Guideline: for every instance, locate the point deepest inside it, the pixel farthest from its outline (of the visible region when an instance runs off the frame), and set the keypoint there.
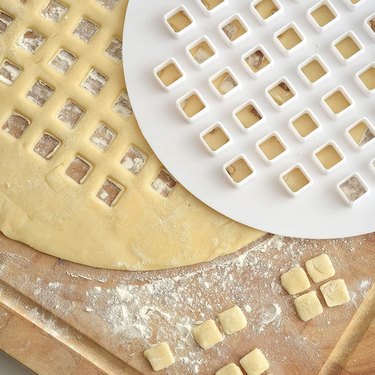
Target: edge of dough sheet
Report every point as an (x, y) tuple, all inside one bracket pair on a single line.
[(143, 231)]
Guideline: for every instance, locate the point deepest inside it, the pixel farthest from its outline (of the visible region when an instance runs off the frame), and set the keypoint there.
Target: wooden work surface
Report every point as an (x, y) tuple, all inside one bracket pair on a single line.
[(62, 318)]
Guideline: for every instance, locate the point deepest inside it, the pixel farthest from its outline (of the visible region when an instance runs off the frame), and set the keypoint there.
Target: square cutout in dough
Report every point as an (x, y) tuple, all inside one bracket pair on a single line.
[(70, 114), (308, 306), (296, 180), (122, 106), (207, 334), (295, 281), (232, 320), (9, 72), (54, 11), (159, 356), (102, 137), (94, 82), (134, 160), (114, 50), (40, 93), (86, 30), (31, 41), (5, 21), (109, 192), (63, 61), (164, 183), (78, 170), (47, 146), (16, 125), (335, 293), (108, 4), (320, 268), (239, 170), (231, 369), (254, 363)]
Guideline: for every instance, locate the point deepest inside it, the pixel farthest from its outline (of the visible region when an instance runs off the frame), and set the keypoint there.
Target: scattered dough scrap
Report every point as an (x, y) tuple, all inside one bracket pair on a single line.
[(308, 306), (159, 356), (232, 320), (254, 363), (295, 281), (335, 293), (320, 268), (207, 334), (231, 369)]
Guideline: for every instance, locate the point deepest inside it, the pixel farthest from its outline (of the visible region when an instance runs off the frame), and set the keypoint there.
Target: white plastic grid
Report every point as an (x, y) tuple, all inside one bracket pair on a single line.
[(260, 201)]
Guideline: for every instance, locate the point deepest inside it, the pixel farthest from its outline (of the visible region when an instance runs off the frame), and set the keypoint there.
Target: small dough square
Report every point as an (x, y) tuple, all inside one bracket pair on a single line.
[(232, 320), (295, 281), (308, 306), (320, 268), (335, 293), (207, 334), (231, 369), (254, 363), (159, 356)]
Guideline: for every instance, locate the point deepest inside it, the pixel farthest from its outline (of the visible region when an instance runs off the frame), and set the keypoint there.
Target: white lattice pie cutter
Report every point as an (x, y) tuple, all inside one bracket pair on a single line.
[(262, 109)]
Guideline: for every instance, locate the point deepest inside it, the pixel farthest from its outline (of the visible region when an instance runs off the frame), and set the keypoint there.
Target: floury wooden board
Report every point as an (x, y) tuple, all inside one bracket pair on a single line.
[(60, 317)]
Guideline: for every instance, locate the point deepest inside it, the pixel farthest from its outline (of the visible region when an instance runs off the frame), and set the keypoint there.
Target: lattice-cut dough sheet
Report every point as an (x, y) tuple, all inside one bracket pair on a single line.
[(78, 180)]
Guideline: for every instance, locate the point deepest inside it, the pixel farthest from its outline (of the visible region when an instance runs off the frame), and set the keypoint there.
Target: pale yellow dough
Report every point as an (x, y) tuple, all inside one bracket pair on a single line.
[(254, 363), (295, 281), (308, 306), (159, 356), (232, 320), (320, 268), (231, 369), (335, 293), (43, 207), (207, 334)]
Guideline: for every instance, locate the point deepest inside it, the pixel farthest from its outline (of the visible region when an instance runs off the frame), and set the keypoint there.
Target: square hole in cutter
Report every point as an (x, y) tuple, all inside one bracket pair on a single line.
[(109, 193), (328, 156), (192, 105), (352, 188), (9, 72), (201, 51), (108, 4), (63, 61), (179, 19), (281, 93), (289, 37), (164, 183), (54, 11), (114, 50), (168, 73), (295, 179), (367, 77), (5, 21), (304, 124), (70, 114), (272, 147), (16, 125), (224, 82), (337, 101), (46, 146), (347, 46), (248, 115), (211, 4), (361, 133), (94, 82), (122, 106), (234, 28), (313, 70), (102, 137), (134, 160), (257, 59), (31, 40), (40, 93), (239, 170), (85, 30), (265, 9), (215, 138), (78, 170), (370, 23), (323, 13)]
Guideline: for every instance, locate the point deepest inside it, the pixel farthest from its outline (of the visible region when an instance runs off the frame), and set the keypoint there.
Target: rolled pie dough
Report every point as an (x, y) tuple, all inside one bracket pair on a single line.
[(78, 179)]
